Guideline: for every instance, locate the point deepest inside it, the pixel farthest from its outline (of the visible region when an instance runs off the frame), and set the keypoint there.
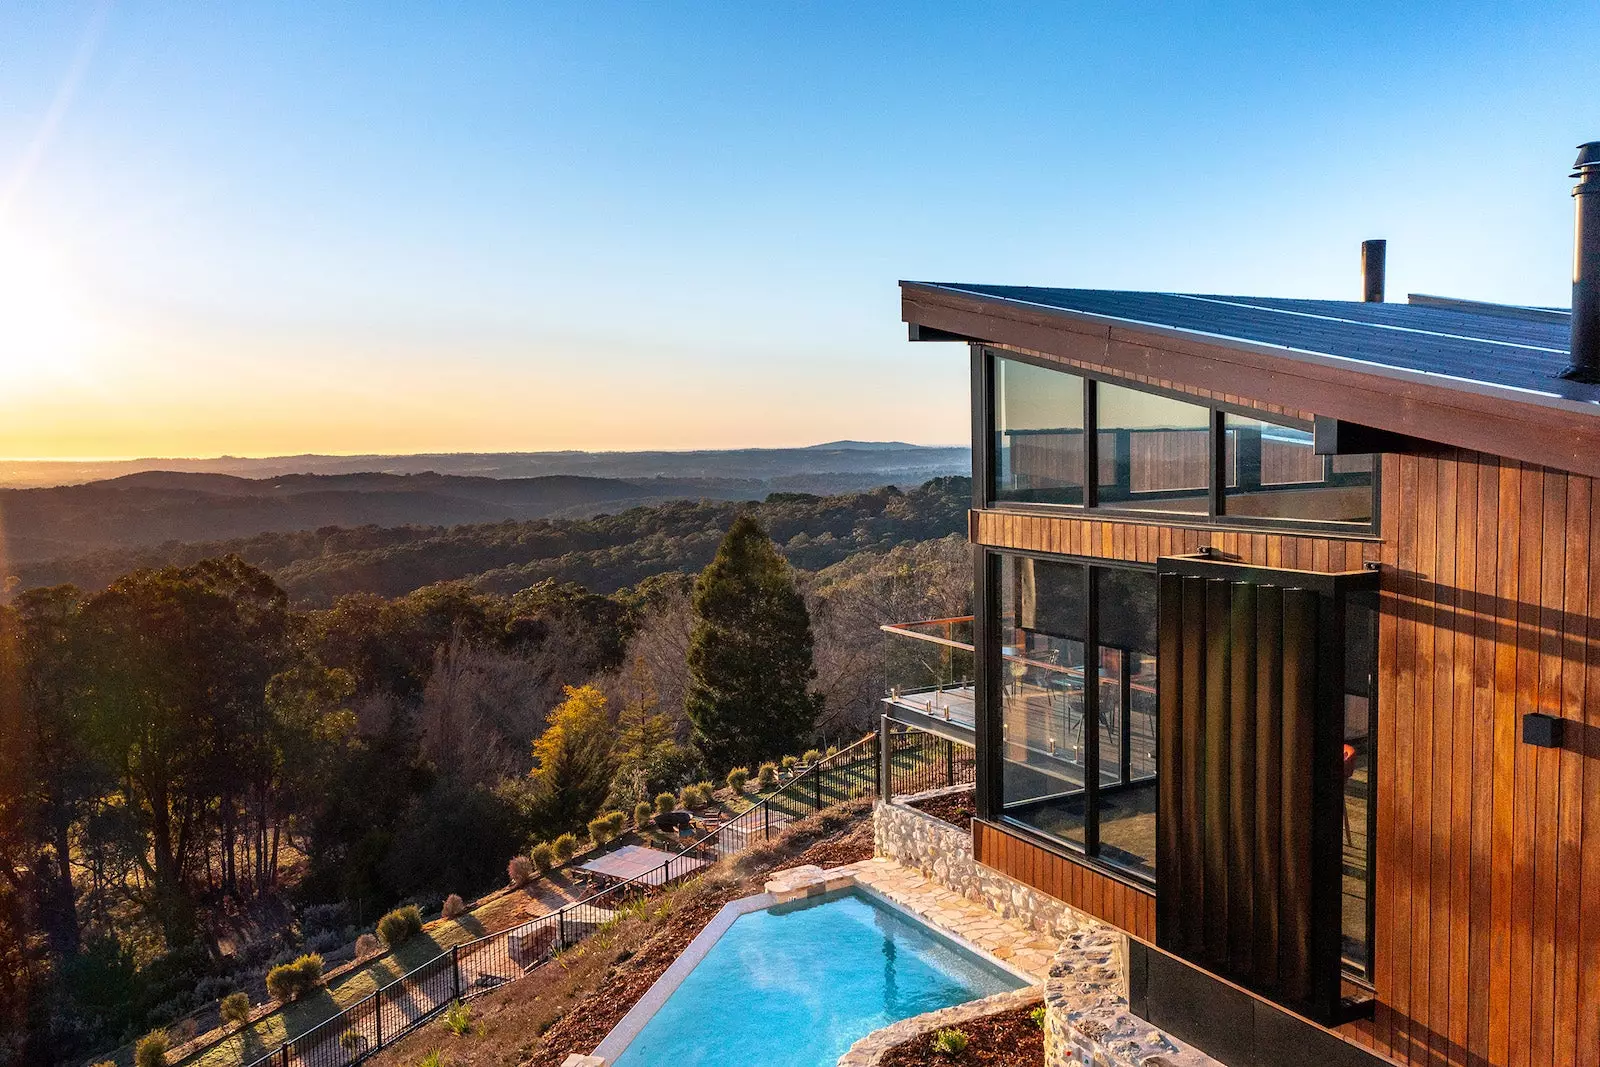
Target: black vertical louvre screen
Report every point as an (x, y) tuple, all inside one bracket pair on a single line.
[(1251, 663)]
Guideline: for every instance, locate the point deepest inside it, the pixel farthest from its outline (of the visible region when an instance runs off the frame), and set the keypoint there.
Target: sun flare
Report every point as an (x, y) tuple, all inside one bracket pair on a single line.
[(45, 332)]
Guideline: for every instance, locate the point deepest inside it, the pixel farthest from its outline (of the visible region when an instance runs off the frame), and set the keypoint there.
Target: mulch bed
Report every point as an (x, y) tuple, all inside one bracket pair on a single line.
[(957, 809), (1010, 1039)]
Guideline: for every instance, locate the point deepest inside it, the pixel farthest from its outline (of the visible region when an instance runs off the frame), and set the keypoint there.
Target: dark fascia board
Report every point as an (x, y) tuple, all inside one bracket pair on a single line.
[(916, 332), (1478, 416), (1336, 437)]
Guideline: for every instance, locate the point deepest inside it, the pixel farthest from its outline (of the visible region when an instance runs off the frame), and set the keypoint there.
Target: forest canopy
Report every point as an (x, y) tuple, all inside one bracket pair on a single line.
[(196, 760)]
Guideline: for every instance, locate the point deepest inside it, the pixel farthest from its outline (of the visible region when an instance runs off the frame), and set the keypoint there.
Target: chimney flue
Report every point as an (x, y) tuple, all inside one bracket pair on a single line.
[(1373, 257), (1586, 266)]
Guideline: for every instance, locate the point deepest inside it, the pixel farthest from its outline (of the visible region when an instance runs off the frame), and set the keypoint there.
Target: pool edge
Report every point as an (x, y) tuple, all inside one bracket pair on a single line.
[(628, 1027), (964, 943)]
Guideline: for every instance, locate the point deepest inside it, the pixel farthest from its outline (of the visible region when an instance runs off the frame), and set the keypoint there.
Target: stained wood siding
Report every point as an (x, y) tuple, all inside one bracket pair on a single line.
[(1487, 897), (1106, 898), (1145, 542), (1487, 939)]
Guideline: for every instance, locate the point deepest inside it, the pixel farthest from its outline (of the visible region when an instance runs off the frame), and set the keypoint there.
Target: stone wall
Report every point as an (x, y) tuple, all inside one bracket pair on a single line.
[(1086, 1018), (1087, 1021), (944, 853)]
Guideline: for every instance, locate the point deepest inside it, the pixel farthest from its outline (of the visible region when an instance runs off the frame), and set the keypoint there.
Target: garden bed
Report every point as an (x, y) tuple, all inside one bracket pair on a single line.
[(957, 809), (1009, 1039)]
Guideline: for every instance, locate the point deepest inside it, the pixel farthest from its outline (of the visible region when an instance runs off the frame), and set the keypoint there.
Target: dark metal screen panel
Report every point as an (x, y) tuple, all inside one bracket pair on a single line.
[(1248, 812)]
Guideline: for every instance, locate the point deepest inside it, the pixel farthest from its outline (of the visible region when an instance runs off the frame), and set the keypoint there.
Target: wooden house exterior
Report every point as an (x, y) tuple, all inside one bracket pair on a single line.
[(1333, 581)]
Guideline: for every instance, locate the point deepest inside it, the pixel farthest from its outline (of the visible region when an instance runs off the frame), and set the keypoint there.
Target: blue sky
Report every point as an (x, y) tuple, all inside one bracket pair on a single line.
[(269, 228)]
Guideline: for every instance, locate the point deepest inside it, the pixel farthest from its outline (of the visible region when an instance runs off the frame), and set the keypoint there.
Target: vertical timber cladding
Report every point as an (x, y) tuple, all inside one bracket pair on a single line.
[(1251, 662)]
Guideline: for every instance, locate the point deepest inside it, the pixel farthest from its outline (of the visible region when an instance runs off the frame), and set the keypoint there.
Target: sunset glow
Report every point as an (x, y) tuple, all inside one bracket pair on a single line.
[(46, 337)]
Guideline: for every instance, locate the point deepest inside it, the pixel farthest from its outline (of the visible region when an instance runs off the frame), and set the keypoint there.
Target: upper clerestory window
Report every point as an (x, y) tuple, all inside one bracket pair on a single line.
[(1038, 434), (1061, 438)]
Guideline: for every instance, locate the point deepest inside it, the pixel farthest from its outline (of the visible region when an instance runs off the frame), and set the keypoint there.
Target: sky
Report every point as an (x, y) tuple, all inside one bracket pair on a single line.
[(275, 228)]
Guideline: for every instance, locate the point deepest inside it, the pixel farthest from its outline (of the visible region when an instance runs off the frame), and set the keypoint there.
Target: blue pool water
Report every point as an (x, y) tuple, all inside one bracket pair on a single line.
[(796, 985)]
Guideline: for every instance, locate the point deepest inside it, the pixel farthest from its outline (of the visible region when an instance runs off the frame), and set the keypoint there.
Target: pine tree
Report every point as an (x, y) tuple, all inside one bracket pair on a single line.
[(750, 664)]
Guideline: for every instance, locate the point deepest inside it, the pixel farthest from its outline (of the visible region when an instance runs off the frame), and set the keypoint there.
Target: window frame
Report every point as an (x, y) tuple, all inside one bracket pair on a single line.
[(984, 460), (987, 644)]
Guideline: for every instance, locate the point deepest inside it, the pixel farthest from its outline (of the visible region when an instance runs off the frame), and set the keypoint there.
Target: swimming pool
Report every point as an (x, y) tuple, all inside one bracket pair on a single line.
[(795, 985)]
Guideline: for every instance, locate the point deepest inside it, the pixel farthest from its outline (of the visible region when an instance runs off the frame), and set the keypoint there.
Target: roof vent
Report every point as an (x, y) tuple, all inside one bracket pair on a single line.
[(1586, 267), (1373, 257)]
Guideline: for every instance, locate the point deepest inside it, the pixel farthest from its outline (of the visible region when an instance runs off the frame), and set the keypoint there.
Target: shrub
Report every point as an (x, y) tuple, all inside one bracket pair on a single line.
[(288, 982), (368, 945), (642, 812), (544, 856), (565, 846), (458, 1019), (519, 871), (812, 756), (767, 778), (1037, 1015), (151, 1051), (323, 917), (689, 797), (950, 1042), (737, 779), (707, 790), (600, 829), (665, 802), (454, 907), (432, 1059), (353, 1041), (833, 750), (399, 925), (235, 1009), (788, 763)]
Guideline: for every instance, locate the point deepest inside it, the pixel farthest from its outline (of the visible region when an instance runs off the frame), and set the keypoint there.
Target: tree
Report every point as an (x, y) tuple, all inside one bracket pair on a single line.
[(573, 760), (750, 665)]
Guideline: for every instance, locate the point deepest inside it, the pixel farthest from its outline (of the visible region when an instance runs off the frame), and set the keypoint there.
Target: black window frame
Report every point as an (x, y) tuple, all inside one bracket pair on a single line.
[(984, 466), (986, 642)]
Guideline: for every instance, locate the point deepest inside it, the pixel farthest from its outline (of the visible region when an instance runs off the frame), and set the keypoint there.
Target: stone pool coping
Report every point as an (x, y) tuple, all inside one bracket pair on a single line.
[(970, 926)]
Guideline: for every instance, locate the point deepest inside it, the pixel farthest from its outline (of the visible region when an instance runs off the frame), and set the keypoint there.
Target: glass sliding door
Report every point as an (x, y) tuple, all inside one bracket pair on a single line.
[(1075, 652), (1126, 630), (1041, 682)]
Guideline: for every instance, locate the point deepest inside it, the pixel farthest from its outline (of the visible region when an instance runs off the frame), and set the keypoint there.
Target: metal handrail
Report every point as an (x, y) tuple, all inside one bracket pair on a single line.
[(327, 1041)]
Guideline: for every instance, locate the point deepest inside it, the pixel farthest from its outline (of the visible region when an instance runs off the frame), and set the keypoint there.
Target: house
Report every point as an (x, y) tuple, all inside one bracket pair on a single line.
[(1286, 653)]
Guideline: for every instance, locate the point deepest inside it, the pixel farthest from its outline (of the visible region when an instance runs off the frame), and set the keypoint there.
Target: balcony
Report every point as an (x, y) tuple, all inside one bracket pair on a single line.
[(928, 666)]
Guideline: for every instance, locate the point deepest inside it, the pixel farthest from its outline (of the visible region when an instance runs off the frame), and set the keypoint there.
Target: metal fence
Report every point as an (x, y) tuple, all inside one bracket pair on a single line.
[(475, 967), (918, 761)]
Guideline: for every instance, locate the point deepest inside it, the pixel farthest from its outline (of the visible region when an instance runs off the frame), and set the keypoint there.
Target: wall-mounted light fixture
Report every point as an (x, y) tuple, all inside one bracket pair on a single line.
[(1542, 730)]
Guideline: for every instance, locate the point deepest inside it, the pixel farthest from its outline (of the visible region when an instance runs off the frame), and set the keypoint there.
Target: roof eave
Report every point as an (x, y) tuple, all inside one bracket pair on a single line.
[(1517, 424)]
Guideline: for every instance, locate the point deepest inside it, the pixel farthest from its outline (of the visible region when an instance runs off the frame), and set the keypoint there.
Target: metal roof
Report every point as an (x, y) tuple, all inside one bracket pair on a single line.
[(1522, 349)]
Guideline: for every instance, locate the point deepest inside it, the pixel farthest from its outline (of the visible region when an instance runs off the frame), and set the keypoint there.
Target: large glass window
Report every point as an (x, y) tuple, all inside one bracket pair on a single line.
[(1038, 434), (1155, 451), (1069, 717), (1272, 472), (1360, 666), (1159, 453), (1125, 602)]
